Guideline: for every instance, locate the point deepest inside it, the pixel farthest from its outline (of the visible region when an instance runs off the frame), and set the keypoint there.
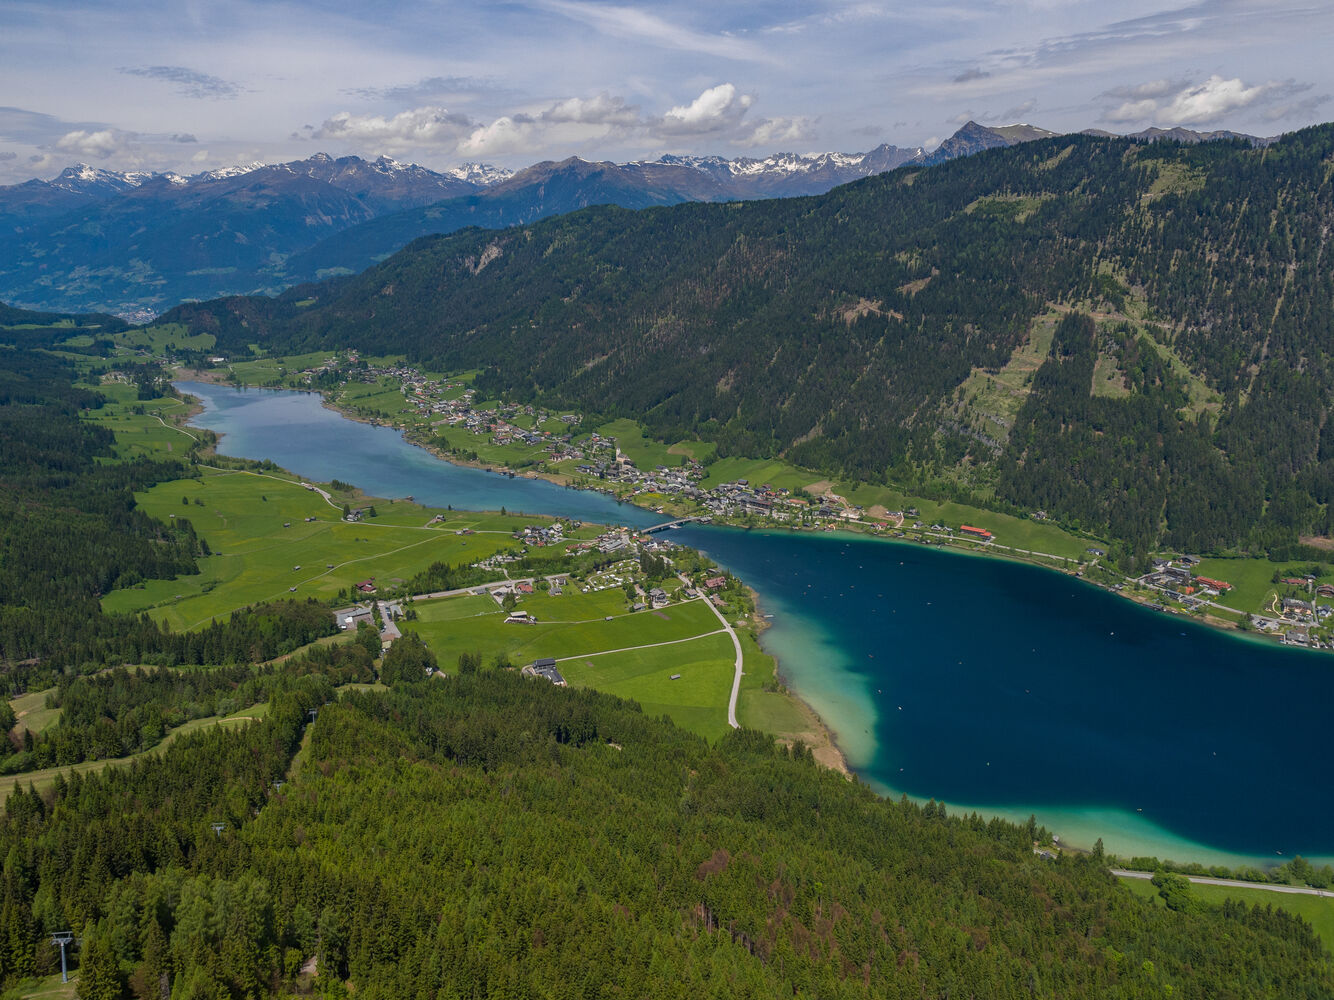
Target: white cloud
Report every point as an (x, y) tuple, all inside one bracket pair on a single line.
[(1212, 99), (717, 109), (102, 143), (412, 129), (1168, 103), (775, 131), (720, 113), (503, 136), (603, 109)]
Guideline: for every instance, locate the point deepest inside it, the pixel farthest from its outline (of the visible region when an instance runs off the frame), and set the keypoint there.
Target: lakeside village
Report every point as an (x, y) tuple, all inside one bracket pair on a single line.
[(652, 573), (594, 461)]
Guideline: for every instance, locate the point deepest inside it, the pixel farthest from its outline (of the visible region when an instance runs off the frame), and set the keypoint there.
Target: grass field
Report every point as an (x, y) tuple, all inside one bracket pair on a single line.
[(697, 700), (558, 632), (242, 516), (573, 628), (47, 988), (518, 455), (156, 338), (1318, 911), (32, 713), (149, 433), (758, 471), (646, 453), (1251, 579)]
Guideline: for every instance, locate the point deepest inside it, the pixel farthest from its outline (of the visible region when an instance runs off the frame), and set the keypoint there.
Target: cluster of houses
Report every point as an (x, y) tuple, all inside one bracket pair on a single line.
[(349, 619), (541, 535), (1177, 579), (432, 399)]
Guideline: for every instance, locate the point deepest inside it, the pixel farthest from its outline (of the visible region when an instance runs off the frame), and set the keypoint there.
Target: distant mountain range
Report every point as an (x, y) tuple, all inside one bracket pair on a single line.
[(134, 244)]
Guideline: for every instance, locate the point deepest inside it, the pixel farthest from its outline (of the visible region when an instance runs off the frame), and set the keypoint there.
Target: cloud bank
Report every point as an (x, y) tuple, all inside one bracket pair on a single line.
[(721, 112)]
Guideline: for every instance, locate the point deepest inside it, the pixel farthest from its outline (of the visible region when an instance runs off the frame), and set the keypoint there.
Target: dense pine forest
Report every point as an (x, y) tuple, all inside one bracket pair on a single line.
[(848, 332), (490, 835)]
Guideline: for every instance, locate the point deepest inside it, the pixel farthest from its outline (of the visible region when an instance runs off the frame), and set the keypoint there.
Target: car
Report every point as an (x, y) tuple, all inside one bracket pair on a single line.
[(607, 619)]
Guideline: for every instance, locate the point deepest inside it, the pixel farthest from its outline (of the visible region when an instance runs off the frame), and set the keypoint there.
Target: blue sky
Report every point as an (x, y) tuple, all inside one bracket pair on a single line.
[(192, 85)]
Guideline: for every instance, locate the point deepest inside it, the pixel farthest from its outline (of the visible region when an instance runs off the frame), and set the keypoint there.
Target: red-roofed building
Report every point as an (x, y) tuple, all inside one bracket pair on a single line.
[(367, 586), (716, 583), (1220, 585), (982, 533)]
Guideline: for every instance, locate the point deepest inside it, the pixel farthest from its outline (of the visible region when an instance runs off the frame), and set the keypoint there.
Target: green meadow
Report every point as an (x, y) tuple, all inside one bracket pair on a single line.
[(156, 339), (150, 433), (264, 548), (516, 455), (32, 713), (632, 655), (558, 633), (696, 700), (1318, 911)]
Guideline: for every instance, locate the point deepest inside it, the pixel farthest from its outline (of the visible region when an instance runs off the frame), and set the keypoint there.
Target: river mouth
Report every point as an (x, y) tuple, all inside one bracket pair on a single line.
[(986, 684)]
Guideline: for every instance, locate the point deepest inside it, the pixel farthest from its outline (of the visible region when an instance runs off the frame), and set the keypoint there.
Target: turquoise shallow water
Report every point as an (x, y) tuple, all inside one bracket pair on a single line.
[(982, 683)]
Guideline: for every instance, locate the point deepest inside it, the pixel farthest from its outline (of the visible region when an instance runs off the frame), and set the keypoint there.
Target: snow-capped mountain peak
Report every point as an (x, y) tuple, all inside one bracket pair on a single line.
[(222, 173), (483, 174), (83, 178)]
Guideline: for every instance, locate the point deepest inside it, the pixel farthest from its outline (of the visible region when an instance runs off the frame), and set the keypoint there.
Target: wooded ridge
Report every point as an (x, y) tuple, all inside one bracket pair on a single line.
[(879, 331)]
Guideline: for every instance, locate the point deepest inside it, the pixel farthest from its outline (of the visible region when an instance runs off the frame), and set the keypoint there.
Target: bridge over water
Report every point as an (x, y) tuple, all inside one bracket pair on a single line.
[(668, 525)]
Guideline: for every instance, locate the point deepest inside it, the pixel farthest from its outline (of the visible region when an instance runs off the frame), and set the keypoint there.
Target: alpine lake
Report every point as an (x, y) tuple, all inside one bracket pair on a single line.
[(983, 683)]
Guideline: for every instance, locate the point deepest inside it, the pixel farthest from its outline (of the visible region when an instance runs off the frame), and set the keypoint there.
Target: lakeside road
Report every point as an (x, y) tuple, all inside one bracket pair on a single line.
[(1298, 890), (736, 674)]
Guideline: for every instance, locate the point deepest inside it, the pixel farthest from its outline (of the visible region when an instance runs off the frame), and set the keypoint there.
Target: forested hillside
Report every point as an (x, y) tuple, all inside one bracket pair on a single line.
[(491, 835), (855, 332)]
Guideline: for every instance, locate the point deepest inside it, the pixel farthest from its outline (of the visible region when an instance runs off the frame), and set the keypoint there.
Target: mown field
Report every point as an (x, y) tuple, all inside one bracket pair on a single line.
[(620, 655), (150, 433), (263, 546)]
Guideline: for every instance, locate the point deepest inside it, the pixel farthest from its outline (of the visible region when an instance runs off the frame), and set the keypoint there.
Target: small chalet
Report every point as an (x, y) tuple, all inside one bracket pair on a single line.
[(367, 586), (716, 582)]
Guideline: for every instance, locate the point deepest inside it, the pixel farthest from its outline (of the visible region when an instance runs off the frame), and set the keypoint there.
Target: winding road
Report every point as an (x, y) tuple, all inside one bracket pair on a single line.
[(736, 675)]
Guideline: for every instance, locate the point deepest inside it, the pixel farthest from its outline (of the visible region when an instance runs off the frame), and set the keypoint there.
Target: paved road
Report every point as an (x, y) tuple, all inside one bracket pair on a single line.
[(736, 675), (1298, 890)]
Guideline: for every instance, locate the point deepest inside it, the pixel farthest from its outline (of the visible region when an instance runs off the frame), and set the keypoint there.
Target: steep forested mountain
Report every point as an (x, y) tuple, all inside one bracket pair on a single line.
[(910, 327), (491, 835)]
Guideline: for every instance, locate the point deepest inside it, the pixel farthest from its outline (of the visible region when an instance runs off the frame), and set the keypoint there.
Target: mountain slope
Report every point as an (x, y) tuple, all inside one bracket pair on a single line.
[(139, 243), (855, 332), (123, 243), (489, 835)]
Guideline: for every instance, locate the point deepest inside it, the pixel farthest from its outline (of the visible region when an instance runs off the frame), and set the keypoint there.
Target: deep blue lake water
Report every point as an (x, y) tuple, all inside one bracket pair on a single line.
[(982, 683)]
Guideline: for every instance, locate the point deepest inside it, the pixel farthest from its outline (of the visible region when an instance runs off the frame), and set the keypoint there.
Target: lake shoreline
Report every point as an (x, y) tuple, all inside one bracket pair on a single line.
[(1122, 824), (961, 545), (817, 734)]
